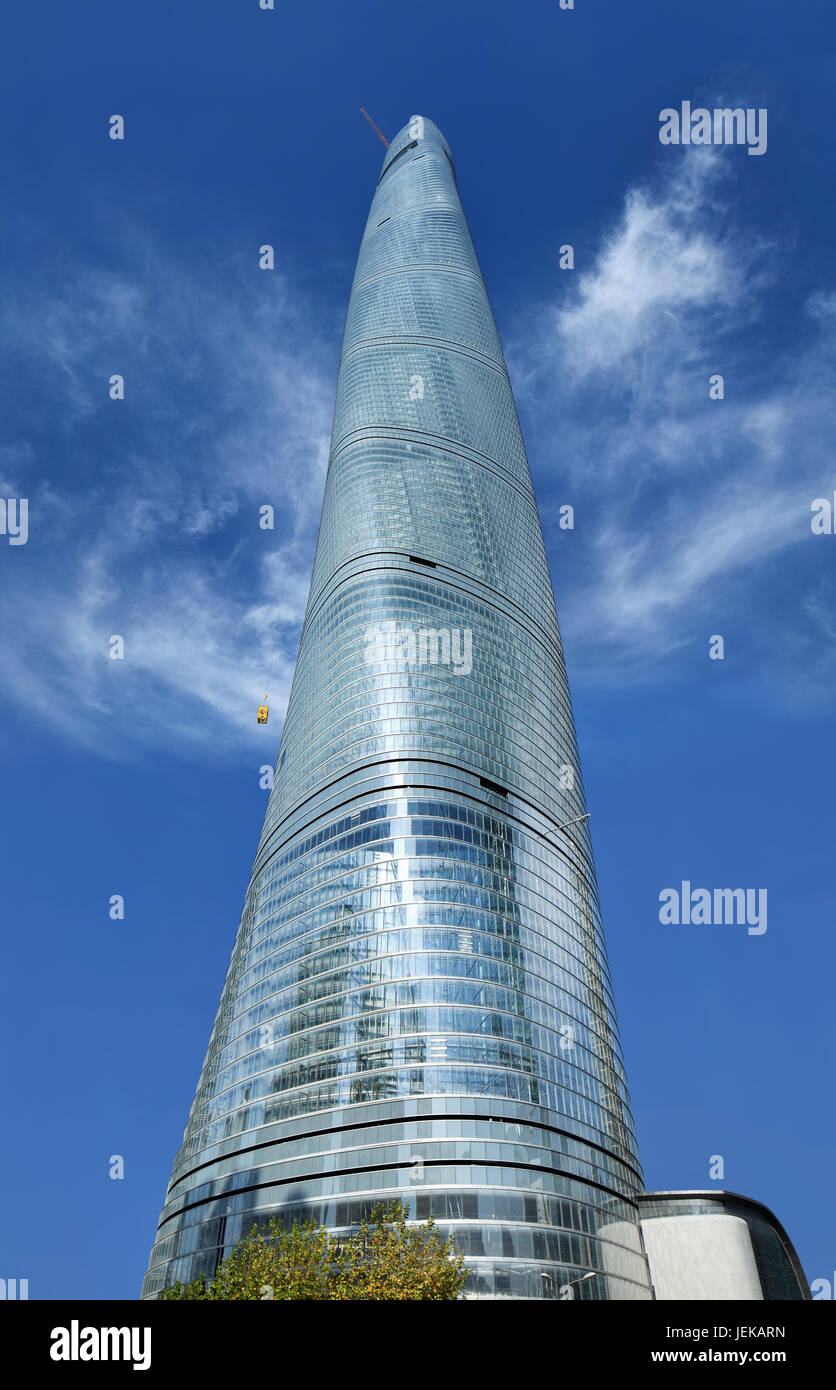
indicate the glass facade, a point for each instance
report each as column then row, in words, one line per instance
column 418, row 1003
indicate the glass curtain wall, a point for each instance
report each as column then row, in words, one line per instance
column 418, row 1004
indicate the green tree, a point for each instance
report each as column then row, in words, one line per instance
column 385, row 1259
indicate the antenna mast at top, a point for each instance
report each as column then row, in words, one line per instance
column 374, row 127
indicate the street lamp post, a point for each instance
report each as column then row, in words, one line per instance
column 568, row 1290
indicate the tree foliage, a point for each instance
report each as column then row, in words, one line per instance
column 385, row 1259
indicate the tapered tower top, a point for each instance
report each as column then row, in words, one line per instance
column 417, row 128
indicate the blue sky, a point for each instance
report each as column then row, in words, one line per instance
column 692, row 518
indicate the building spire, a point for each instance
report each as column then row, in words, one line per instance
column 365, row 113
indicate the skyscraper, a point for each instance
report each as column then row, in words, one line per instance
column 418, row 1003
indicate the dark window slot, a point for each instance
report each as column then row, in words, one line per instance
column 398, row 156
column 416, row 560
column 493, row 786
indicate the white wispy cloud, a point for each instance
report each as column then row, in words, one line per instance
column 690, row 512
column 144, row 513
column 657, row 266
